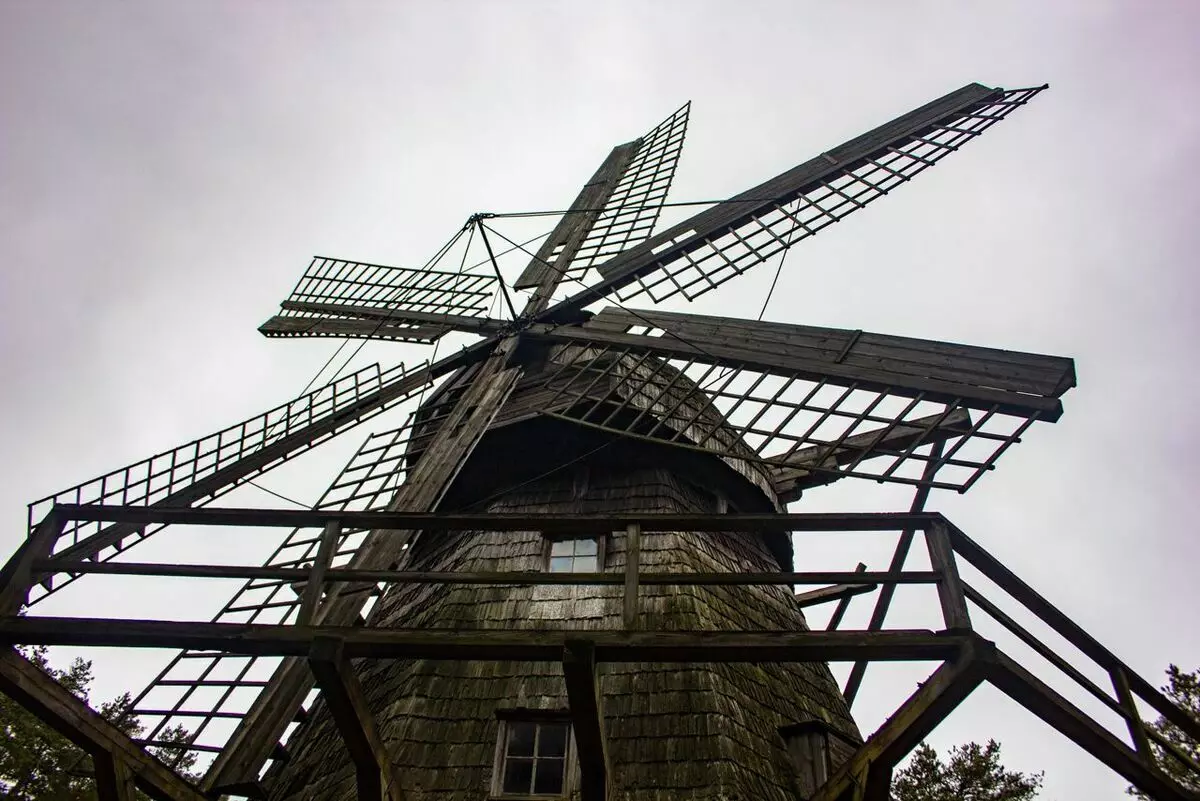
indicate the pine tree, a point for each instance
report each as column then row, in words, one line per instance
column 971, row 773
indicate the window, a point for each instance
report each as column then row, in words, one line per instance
column 575, row 556
column 532, row 758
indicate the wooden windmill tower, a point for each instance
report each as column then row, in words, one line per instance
column 566, row 431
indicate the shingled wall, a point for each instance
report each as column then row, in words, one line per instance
column 701, row 731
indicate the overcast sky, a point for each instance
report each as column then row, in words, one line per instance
column 167, row 170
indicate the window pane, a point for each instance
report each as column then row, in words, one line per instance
column 549, row 776
column 560, row 564
column 520, row 739
column 585, row 564
column 518, row 776
column 552, row 740
column 561, row 548
column 585, row 547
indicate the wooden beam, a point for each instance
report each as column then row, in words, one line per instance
column 633, row 557
column 557, row 524
column 487, row 644
column 737, row 354
column 790, row 482
column 280, row 326
column 1036, row 696
column 17, row 575
column 836, row 592
column 587, row 718
column 560, row 248
column 839, row 612
column 26, row 684
column 950, row 589
column 936, row 698
column 347, row 704
column 114, row 779
column 315, row 580
column 461, row 322
column 302, row 575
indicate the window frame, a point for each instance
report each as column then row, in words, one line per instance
column 601, row 541
column 506, row 719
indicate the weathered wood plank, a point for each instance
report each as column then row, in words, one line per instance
column 1006, row 369
column 363, row 576
column 950, row 589
column 461, row 322
column 557, row 524
column 488, row 644
column 587, row 719
column 836, row 592
column 348, row 706
column 315, row 579
column 739, row 356
column 573, row 228
column 328, row 327
column 633, row 557
column 26, row 684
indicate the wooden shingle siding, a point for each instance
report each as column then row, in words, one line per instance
column 696, row 731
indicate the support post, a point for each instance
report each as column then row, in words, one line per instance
column 587, row 720
column 347, row 704
column 633, row 556
column 950, row 588
column 316, row 576
column 16, row 578
column 114, row 779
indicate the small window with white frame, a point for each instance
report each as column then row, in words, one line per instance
column 575, row 555
column 533, row 759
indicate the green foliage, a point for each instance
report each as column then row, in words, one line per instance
column 1184, row 690
column 39, row 764
column 971, row 773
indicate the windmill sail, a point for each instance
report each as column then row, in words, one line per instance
column 632, row 184
column 703, row 252
column 802, row 400
column 331, row 295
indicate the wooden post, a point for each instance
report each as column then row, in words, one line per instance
column 114, row 779
column 633, row 555
column 348, row 705
column 1133, row 718
column 16, row 578
column 316, row 576
column 587, row 720
column 950, row 588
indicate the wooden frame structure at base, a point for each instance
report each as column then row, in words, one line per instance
column 968, row 660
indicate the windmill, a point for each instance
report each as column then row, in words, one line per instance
column 564, row 408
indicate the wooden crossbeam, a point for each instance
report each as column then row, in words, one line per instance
column 550, row 523
column 587, row 718
column 835, row 592
column 790, row 481
column 347, row 704
column 17, row 575
column 487, row 644
column 116, row 754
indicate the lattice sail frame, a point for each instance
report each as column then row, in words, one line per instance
column 802, row 401
column 208, row 693
column 187, row 475
column 633, row 209
column 706, row 260
column 331, row 290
